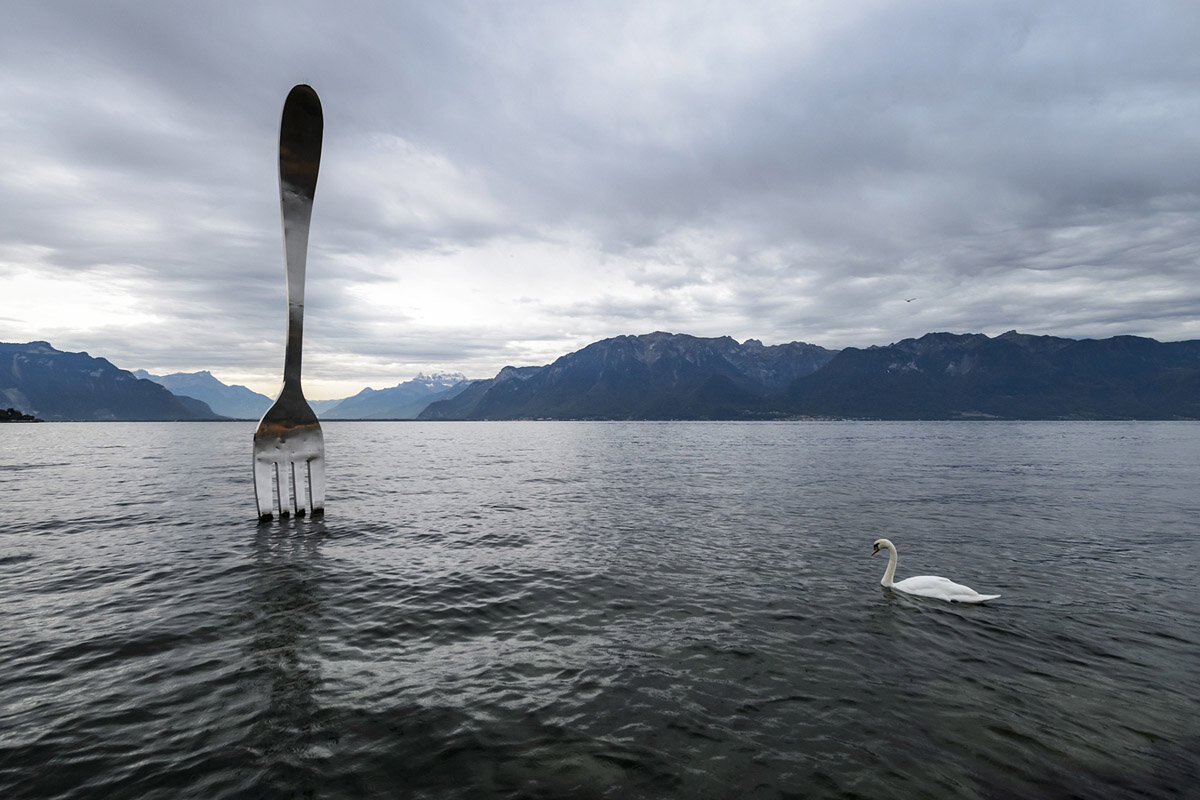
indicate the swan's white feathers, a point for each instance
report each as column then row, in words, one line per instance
column 933, row 586
column 941, row 588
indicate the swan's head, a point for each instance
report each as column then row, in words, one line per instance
column 882, row 543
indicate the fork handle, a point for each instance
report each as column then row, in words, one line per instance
column 299, row 160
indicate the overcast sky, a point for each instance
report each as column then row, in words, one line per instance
column 506, row 182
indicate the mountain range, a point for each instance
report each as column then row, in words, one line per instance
column 654, row 376
column 39, row 381
column 53, row 385
column 403, row 401
column 235, row 402
column 676, row 376
column 1011, row 376
column 938, row 376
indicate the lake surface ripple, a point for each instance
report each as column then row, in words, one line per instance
column 602, row 610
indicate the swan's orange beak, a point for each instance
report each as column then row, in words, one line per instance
column 875, row 550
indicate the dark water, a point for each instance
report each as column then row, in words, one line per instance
column 587, row 610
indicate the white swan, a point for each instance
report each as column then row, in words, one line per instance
column 927, row 585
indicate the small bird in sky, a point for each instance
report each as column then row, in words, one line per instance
column 909, row 299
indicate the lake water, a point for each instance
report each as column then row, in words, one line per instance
column 602, row 610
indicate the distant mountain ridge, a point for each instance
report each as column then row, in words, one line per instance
column 1010, row 376
column 653, row 376
column 676, row 376
column 235, row 402
column 938, row 376
column 404, row 401
column 58, row 386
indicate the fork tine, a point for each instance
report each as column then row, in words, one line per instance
column 264, row 487
column 316, row 485
column 293, row 492
column 290, row 481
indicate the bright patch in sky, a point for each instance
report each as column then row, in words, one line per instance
column 51, row 305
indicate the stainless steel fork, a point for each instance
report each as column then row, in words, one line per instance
column 289, row 449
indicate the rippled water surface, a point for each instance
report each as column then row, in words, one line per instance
column 602, row 610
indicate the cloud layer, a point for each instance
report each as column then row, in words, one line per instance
column 502, row 183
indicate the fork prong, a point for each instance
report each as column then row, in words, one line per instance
column 289, row 469
column 289, row 486
column 316, row 485
column 288, row 491
column 264, row 487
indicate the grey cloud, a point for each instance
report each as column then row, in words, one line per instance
column 782, row 172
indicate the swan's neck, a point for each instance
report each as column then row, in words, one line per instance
column 891, row 568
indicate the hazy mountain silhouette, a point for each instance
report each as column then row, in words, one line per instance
column 676, row 376
column 938, row 376
column 1011, row 376
column 653, row 376
column 404, row 401
column 55, row 385
column 235, row 402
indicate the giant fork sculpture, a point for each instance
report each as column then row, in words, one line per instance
column 289, row 449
